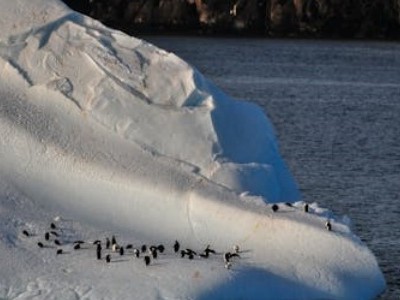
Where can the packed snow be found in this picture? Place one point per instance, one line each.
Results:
(104, 134)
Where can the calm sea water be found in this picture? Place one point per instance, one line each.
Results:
(336, 109)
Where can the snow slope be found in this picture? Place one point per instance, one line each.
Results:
(120, 137)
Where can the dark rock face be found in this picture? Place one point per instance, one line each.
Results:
(314, 18)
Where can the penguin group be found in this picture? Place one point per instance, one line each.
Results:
(108, 249)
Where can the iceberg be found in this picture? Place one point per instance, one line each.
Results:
(119, 136)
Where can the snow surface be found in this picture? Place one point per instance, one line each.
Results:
(119, 137)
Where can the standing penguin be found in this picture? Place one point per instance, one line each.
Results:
(108, 258)
(328, 225)
(121, 251)
(47, 236)
(176, 246)
(136, 252)
(108, 243)
(147, 260)
(306, 207)
(98, 252)
(113, 240)
(275, 208)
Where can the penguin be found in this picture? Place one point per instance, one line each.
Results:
(288, 204)
(306, 207)
(108, 243)
(77, 246)
(98, 247)
(96, 242)
(26, 233)
(59, 251)
(190, 256)
(161, 248)
(144, 248)
(228, 256)
(57, 242)
(113, 240)
(236, 249)
(183, 253)
(176, 246)
(147, 260)
(190, 251)
(98, 252)
(208, 250)
(129, 246)
(108, 258)
(152, 248)
(136, 252)
(275, 208)
(328, 225)
(54, 233)
(53, 226)
(121, 251)
(114, 248)
(153, 253)
(47, 236)
(40, 244)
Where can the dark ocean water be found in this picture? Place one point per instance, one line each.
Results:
(336, 109)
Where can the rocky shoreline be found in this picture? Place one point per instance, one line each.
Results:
(369, 19)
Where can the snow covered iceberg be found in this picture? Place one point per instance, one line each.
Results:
(121, 136)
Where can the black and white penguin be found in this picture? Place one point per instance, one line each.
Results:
(288, 204)
(121, 251)
(228, 256)
(98, 252)
(55, 233)
(328, 225)
(153, 252)
(40, 244)
(183, 253)
(176, 246)
(143, 248)
(59, 251)
(161, 248)
(147, 260)
(26, 233)
(208, 250)
(47, 236)
(129, 246)
(113, 240)
(108, 243)
(275, 207)
(108, 258)
(190, 256)
(136, 252)
(57, 242)
(53, 226)
(190, 251)
(306, 207)
(77, 246)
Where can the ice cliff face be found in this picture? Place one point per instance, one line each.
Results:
(153, 99)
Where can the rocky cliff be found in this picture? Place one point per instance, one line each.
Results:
(314, 18)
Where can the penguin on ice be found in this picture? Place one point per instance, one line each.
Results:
(57, 242)
(275, 207)
(176, 246)
(144, 248)
(47, 236)
(108, 258)
(40, 244)
(136, 252)
(59, 251)
(77, 246)
(147, 260)
(161, 248)
(54, 233)
(108, 243)
(98, 252)
(306, 207)
(129, 246)
(328, 225)
(121, 251)
(53, 226)
(113, 240)
(26, 233)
